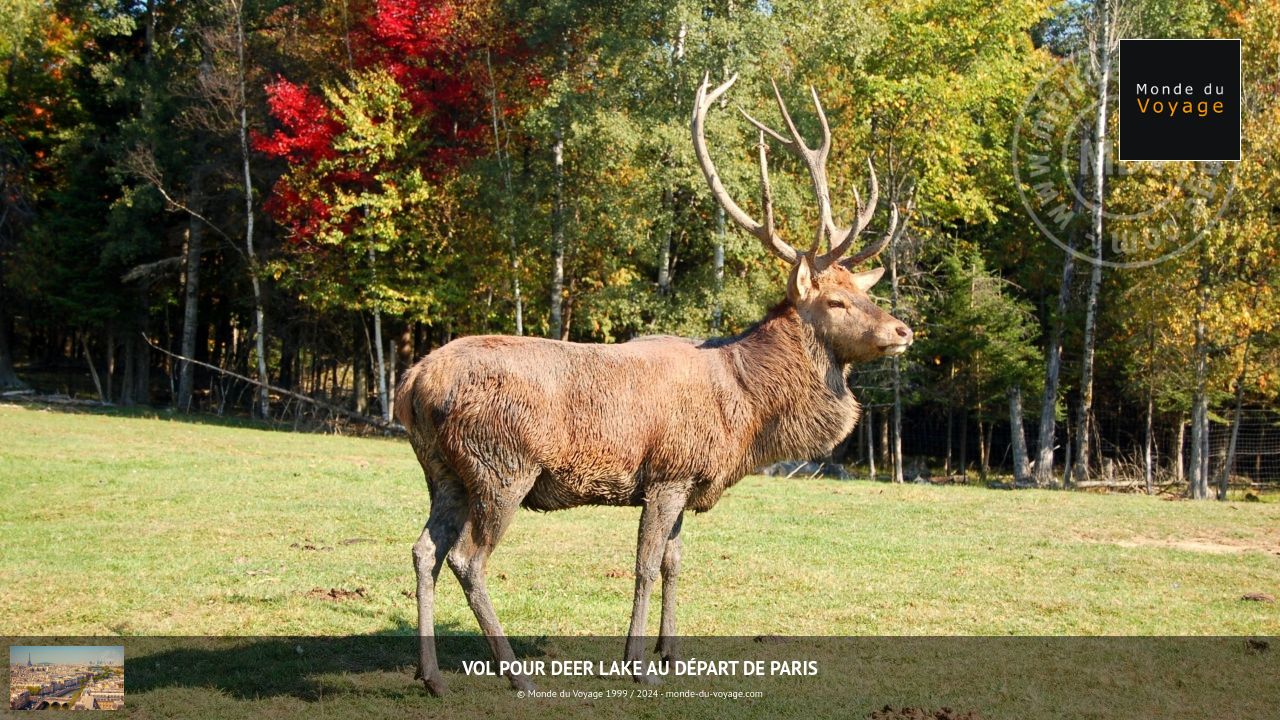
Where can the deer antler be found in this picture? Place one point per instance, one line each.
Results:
(815, 160)
(763, 232)
(873, 249)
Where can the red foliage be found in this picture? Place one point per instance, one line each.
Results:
(307, 127)
(430, 48)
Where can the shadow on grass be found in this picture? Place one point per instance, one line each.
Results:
(252, 668)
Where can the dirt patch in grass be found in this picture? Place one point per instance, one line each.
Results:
(888, 712)
(1217, 546)
(338, 594)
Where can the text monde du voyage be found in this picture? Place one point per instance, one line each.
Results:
(1179, 99)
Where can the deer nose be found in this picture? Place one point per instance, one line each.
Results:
(903, 332)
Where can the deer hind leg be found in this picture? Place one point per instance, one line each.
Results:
(489, 514)
(670, 572)
(448, 513)
(657, 521)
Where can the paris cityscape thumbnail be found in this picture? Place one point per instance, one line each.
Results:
(66, 677)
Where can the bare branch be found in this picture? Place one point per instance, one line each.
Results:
(376, 422)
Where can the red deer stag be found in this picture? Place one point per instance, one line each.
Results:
(665, 424)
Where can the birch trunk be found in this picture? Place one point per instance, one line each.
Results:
(664, 248)
(1021, 473)
(384, 401)
(1043, 471)
(717, 271)
(1099, 149)
(1199, 484)
(259, 320)
(557, 239)
(504, 165)
(897, 366)
(871, 445)
(191, 301)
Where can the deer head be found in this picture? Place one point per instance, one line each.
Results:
(823, 289)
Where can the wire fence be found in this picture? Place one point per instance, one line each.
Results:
(940, 443)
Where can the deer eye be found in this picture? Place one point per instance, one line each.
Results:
(836, 304)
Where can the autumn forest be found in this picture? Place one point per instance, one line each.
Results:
(303, 197)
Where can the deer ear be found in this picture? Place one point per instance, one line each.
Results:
(801, 284)
(864, 281)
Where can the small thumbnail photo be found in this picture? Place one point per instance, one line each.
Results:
(66, 677)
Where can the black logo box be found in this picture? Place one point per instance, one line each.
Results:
(1177, 72)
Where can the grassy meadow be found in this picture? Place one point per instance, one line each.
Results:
(127, 524)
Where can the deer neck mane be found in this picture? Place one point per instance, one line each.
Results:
(796, 392)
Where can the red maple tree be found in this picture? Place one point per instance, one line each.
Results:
(432, 49)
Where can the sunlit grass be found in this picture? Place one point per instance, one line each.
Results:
(125, 525)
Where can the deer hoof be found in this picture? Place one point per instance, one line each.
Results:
(668, 654)
(522, 683)
(434, 683)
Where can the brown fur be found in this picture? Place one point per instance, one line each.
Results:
(664, 423)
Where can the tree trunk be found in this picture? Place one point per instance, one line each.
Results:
(717, 271)
(897, 365)
(1043, 471)
(259, 322)
(384, 398)
(8, 375)
(983, 451)
(557, 238)
(897, 421)
(126, 382)
(111, 364)
(93, 370)
(191, 295)
(504, 163)
(391, 380)
(359, 389)
(1199, 483)
(1148, 470)
(871, 445)
(1179, 461)
(1052, 368)
(1228, 462)
(1066, 461)
(1021, 473)
(964, 445)
(886, 458)
(141, 373)
(1198, 489)
(946, 463)
(1085, 414)
(666, 234)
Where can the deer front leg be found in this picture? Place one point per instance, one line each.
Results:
(666, 647)
(657, 520)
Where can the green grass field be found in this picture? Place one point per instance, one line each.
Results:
(131, 525)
